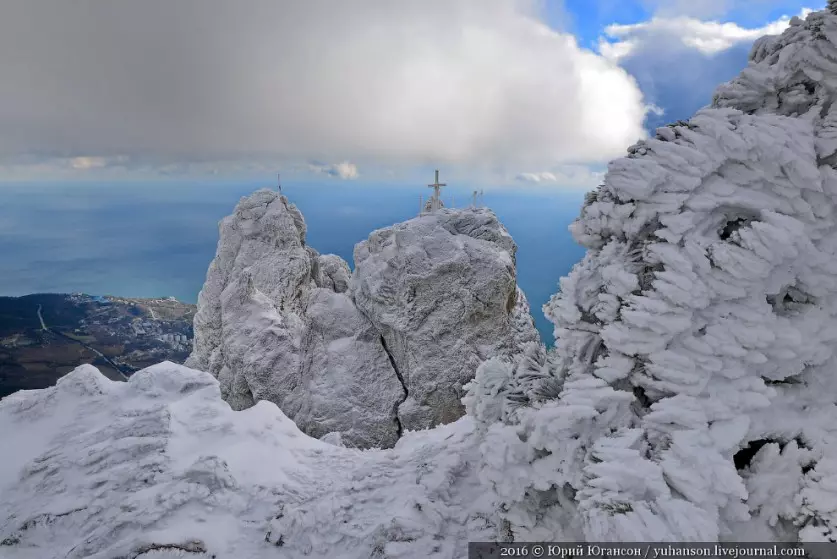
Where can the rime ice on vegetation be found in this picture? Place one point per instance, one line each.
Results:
(692, 393)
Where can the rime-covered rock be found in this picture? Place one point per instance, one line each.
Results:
(243, 289)
(273, 324)
(277, 321)
(692, 395)
(346, 383)
(524, 331)
(441, 289)
(333, 273)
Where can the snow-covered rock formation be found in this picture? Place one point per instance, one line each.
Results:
(333, 272)
(274, 323)
(442, 291)
(363, 356)
(693, 392)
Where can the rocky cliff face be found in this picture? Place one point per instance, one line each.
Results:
(442, 291)
(265, 234)
(346, 383)
(273, 323)
(364, 356)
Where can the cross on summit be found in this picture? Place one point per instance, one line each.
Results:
(436, 200)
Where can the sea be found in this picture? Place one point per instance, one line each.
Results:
(156, 240)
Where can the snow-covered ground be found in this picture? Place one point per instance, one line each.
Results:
(160, 466)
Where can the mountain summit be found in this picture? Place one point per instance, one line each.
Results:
(358, 357)
(691, 395)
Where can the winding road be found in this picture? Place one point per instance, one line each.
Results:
(41, 318)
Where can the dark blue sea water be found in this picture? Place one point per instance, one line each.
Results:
(139, 240)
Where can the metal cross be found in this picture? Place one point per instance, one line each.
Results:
(437, 190)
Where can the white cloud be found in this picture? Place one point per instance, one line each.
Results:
(707, 37)
(345, 170)
(124, 167)
(707, 9)
(571, 176)
(655, 110)
(415, 81)
(678, 61)
(84, 163)
(87, 162)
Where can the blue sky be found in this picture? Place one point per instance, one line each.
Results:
(588, 19)
(674, 77)
(494, 92)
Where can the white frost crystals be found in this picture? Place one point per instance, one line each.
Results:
(696, 339)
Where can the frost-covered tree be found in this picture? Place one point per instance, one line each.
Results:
(692, 392)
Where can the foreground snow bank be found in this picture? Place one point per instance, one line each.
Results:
(160, 467)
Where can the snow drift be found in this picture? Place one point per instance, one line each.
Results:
(691, 395)
(160, 466)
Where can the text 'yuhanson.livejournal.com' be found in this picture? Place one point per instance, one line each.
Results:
(495, 550)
